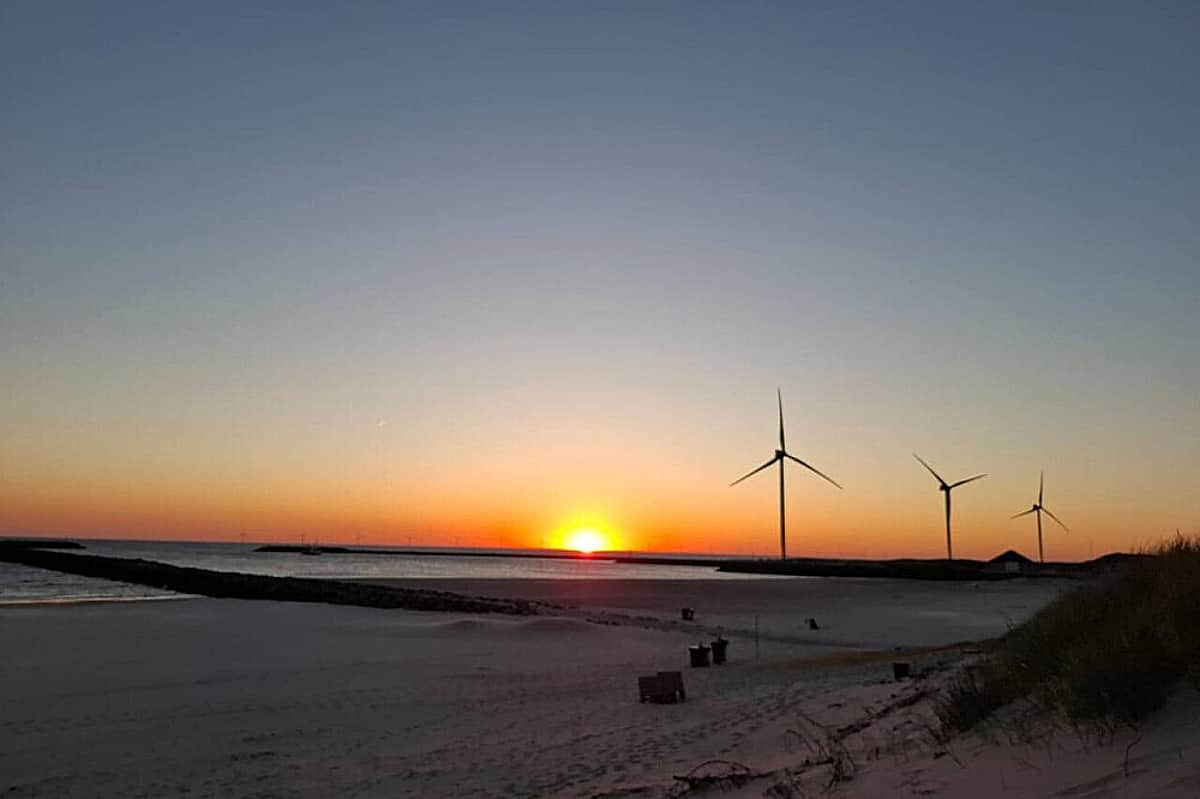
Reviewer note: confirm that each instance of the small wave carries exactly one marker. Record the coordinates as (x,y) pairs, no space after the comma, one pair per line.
(87,600)
(467,625)
(554,626)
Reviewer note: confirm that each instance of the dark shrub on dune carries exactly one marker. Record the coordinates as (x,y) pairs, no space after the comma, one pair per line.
(1110,651)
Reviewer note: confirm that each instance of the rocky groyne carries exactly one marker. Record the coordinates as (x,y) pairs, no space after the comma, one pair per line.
(237,585)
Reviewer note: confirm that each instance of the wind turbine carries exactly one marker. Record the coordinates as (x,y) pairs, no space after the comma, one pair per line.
(1039,509)
(947,488)
(781,455)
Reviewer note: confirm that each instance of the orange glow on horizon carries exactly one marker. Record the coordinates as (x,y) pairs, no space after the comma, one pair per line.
(80,500)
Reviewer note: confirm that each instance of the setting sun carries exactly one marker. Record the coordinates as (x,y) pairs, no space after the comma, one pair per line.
(586,540)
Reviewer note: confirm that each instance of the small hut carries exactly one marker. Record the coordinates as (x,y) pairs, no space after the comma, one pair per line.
(1010,562)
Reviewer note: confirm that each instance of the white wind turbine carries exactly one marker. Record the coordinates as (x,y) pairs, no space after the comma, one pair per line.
(1039,509)
(781,455)
(946,488)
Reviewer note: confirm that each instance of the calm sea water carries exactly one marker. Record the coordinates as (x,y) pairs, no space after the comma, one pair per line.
(20,584)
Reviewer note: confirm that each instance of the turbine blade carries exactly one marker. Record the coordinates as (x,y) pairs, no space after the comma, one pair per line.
(1055,518)
(1024,513)
(1041,486)
(811,469)
(756,471)
(969,479)
(779,396)
(936,476)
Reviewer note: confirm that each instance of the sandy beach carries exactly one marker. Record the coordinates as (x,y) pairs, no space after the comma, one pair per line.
(234,698)
(207,697)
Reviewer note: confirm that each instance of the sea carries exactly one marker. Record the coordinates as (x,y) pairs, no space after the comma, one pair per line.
(24,585)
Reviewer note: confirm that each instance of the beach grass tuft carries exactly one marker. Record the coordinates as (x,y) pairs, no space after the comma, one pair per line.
(1108,652)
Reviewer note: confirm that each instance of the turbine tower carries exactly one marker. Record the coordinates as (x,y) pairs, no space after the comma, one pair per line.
(1039,509)
(781,455)
(946,488)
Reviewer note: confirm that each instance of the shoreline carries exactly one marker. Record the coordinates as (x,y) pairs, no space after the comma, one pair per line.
(477,595)
(97,600)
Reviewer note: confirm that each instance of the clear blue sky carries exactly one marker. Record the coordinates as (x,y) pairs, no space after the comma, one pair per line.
(557,257)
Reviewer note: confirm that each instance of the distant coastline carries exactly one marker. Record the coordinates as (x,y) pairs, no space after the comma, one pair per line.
(894,569)
(41,543)
(900,569)
(302,549)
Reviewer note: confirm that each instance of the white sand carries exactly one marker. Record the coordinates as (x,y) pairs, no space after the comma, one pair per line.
(226,698)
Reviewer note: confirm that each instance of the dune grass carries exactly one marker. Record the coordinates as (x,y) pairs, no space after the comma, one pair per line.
(1110,651)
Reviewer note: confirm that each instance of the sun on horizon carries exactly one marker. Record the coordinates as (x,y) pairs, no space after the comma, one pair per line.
(587,540)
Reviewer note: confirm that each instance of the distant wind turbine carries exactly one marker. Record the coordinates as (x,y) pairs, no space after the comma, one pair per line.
(947,488)
(1039,509)
(781,455)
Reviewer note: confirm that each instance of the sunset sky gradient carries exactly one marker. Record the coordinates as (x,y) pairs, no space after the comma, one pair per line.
(452,273)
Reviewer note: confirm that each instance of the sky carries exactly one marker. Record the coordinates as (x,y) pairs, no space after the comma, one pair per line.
(481,274)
